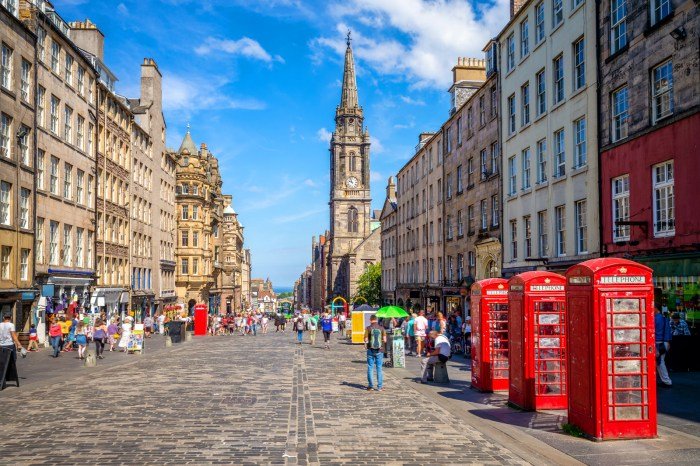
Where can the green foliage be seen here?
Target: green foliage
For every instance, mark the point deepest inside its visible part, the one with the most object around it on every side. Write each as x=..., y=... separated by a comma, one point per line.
x=287, y=294
x=572, y=430
x=369, y=285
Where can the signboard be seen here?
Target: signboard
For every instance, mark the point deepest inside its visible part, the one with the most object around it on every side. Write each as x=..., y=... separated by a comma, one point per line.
x=397, y=353
x=8, y=368
x=547, y=288
x=136, y=339
x=496, y=292
x=47, y=290
x=622, y=279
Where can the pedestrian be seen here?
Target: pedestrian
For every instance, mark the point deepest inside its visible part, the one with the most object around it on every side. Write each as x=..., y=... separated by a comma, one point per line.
x=679, y=327
x=81, y=339
x=33, y=339
x=99, y=336
x=327, y=327
x=375, y=338
x=161, y=323
x=65, y=330
x=313, y=328
x=112, y=333
x=8, y=336
x=467, y=329
x=341, y=323
x=410, y=334
x=55, y=334
x=148, y=326
x=125, y=335
x=663, y=335
x=420, y=325
x=441, y=353
x=299, y=327
x=265, y=321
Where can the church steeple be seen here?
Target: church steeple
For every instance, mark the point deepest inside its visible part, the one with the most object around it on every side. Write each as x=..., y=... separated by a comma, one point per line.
x=348, y=98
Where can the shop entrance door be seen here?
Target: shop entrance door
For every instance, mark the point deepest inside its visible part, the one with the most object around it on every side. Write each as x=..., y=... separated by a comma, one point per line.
x=550, y=348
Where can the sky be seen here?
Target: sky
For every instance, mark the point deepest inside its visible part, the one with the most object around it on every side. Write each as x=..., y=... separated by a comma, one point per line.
x=258, y=82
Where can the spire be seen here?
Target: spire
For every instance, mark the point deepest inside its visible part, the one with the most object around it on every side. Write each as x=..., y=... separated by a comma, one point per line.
x=188, y=143
x=348, y=98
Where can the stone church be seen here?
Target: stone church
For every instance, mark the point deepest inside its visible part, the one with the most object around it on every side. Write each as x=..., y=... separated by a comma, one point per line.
x=354, y=239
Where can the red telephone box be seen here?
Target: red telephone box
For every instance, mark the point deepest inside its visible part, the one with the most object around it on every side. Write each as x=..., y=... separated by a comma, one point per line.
x=611, y=357
x=490, y=334
x=537, y=340
x=201, y=319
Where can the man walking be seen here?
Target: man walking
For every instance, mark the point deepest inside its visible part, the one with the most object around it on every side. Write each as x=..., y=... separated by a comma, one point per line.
x=420, y=325
x=375, y=338
x=299, y=327
x=662, y=331
x=313, y=326
x=441, y=353
x=327, y=327
x=8, y=336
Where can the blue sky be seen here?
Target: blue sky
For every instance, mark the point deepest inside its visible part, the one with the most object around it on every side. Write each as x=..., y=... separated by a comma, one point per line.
x=259, y=80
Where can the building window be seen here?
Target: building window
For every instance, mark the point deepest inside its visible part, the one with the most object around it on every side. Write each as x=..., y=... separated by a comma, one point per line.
x=68, y=124
x=484, y=214
x=659, y=10
x=513, y=239
x=81, y=80
x=185, y=238
x=24, y=195
x=23, y=143
x=542, y=244
x=541, y=161
x=470, y=174
x=6, y=67
x=511, y=114
x=184, y=267
x=185, y=212
x=527, y=224
x=79, y=247
x=53, y=243
x=67, y=245
x=25, y=80
x=619, y=114
x=24, y=265
x=195, y=239
x=80, y=132
x=470, y=123
x=559, y=154
x=525, y=104
x=541, y=92
x=558, y=78
x=460, y=266
x=195, y=212
x=495, y=159
x=5, y=203
x=460, y=186
x=579, y=63
x=495, y=212
x=621, y=207
x=494, y=101
x=68, y=181
x=5, y=265
x=580, y=142
x=525, y=157
x=460, y=224
x=459, y=132
x=524, y=37
x=484, y=164
x=581, y=227
x=448, y=227
x=448, y=188
x=560, y=224
x=491, y=59
x=69, y=70
x=5, y=140
x=539, y=22
x=39, y=240
x=618, y=25
x=40, y=104
x=90, y=241
x=510, y=55
x=55, y=57
x=557, y=12
x=664, y=212
x=470, y=219
x=40, y=161
x=662, y=91
x=352, y=220
x=512, y=177
x=54, y=114
x=482, y=110
x=41, y=43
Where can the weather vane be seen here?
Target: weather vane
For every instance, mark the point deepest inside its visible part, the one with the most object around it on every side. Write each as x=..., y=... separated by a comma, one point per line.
x=348, y=38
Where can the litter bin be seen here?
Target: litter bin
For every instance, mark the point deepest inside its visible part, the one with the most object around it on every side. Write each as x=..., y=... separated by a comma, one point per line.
x=176, y=330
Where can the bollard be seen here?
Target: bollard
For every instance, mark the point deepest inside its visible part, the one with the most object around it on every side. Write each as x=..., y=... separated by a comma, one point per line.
x=188, y=336
x=90, y=359
x=168, y=341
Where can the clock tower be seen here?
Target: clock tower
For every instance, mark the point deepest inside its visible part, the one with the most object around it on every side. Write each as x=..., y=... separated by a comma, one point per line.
x=350, y=200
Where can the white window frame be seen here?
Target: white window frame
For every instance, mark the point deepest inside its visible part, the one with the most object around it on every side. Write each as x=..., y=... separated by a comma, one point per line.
x=619, y=106
x=558, y=79
x=560, y=228
x=525, y=104
x=5, y=203
x=581, y=225
x=664, y=199
x=24, y=264
x=527, y=227
x=39, y=240
x=55, y=57
x=510, y=52
x=580, y=146
x=526, y=168
x=512, y=176
x=659, y=10
x=557, y=13
x=524, y=37
x=511, y=114
x=559, y=143
x=541, y=161
x=5, y=136
x=24, y=208
x=579, y=63
x=6, y=60
x=541, y=83
x=620, y=191
x=542, y=234
x=514, y=240
x=25, y=81
x=540, y=32
x=618, y=25
x=662, y=91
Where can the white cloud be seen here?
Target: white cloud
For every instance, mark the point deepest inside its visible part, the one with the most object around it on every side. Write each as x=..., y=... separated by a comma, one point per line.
x=298, y=216
x=191, y=93
x=438, y=32
x=324, y=135
x=376, y=145
x=411, y=101
x=310, y=183
x=245, y=47
x=375, y=176
x=123, y=9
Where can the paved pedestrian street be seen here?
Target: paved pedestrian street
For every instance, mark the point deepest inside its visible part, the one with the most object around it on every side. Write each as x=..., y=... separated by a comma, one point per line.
x=250, y=400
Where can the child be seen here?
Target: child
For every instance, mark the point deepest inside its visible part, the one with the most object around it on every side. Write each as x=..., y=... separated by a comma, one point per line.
x=81, y=339
x=33, y=339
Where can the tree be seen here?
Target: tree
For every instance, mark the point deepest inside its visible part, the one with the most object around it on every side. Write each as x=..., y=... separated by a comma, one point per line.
x=369, y=285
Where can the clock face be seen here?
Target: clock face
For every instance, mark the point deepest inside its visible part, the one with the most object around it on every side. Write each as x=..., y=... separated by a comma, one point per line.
x=351, y=182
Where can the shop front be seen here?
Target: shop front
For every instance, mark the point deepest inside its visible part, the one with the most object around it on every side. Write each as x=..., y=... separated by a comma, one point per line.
x=112, y=301
x=142, y=305
x=17, y=303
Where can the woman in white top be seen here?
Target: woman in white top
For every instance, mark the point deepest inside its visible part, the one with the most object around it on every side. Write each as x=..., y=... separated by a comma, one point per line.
x=126, y=334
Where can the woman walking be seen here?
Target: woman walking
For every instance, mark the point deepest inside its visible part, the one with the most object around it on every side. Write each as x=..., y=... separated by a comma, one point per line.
x=99, y=335
x=111, y=334
x=55, y=334
x=81, y=339
x=126, y=334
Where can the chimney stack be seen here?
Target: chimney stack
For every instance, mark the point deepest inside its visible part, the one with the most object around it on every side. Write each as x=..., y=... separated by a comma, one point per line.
x=515, y=6
x=467, y=76
x=88, y=37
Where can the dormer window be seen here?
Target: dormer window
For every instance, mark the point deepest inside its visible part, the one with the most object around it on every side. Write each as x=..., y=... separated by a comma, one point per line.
x=491, y=59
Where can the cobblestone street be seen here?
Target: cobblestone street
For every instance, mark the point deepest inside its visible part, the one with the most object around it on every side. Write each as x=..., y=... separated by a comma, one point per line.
x=262, y=400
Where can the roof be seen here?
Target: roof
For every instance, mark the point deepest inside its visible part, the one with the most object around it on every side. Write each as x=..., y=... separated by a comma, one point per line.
x=188, y=143
x=229, y=210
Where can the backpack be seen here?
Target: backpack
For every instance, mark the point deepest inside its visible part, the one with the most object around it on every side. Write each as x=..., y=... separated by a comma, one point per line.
x=300, y=324
x=375, y=338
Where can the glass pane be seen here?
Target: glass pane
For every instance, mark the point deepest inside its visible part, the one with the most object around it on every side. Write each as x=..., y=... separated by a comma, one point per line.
x=633, y=335
x=553, y=353
x=627, y=351
x=546, y=306
x=628, y=397
x=628, y=412
x=549, y=342
x=548, y=319
x=628, y=367
x=626, y=320
x=628, y=381
x=548, y=366
x=553, y=377
x=625, y=305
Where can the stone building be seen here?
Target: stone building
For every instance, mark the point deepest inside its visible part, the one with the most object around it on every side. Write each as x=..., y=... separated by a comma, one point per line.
x=546, y=63
x=245, y=279
x=152, y=198
x=388, y=241
x=114, y=127
x=231, y=258
x=17, y=170
x=352, y=243
x=200, y=212
x=649, y=100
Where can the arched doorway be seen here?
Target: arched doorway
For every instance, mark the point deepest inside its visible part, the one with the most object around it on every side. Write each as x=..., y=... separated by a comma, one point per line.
x=492, y=270
x=190, y=307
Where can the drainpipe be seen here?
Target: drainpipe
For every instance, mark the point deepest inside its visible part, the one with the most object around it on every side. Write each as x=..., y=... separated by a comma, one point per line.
x=601, y=243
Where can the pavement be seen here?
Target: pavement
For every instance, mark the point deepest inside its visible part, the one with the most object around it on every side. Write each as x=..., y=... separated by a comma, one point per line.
x=266, y=400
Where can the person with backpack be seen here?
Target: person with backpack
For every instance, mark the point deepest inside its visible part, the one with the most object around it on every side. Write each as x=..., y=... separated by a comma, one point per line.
x=327, y=327
x=441, y=353
x=299, y=327
x=313, y=327
x=375, y=338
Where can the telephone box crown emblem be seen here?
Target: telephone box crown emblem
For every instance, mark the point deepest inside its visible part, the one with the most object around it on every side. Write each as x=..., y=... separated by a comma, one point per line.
x=547, y=280
x=500, y=286
x=623, y=269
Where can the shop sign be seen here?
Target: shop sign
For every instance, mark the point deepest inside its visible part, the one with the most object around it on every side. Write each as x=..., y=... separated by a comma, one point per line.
x=623, y=279
x=27, y=296
x=547, y=288
x=496, y=292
